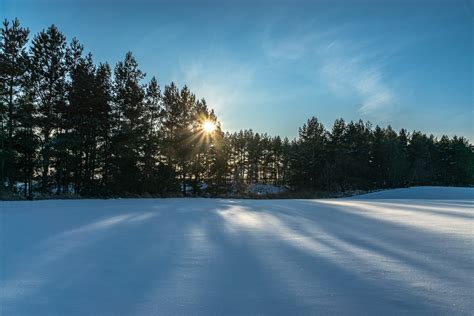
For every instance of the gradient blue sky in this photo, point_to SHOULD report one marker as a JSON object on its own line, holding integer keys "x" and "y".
{"x": 270, "y": 65}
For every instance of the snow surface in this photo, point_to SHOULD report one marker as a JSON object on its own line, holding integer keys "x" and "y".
{"x": 361, "y": 255}
{"x": 426, "y": 193}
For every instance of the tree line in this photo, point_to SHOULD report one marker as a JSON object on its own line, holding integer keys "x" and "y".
{"x": 68, "y": 124}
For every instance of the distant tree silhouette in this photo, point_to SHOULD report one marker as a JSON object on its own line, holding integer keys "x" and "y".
{"x": 69, "y": 125}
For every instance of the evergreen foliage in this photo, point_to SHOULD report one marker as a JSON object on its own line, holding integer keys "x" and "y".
{"x": 70, "y": 125}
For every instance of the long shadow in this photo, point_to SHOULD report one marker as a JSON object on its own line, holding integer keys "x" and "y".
{"x": 179, "y": 292}
{"x": 431, "y": 210}
{"x": 205, "y": 256}
{"x": 111, "y": 261}
{"x": 358, "y": 231}
{"x": 323, "y": 285}
{"x": 336, "y": 220}
{"x": 453, "y": 203}
{"x": 239, "y": 281}
{"x": 369, "y": 241}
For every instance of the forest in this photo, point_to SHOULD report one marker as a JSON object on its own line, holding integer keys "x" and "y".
{"x": 71, "y": 125}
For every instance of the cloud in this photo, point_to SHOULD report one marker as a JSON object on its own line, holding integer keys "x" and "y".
{"x": 348, "y": 68}
{"x": 288, "y": 48}
{"x": 352, "y": 75}
{"x": 298, "y": 44}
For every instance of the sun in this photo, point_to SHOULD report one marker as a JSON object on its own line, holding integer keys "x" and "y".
{"x": 208, "y": 126}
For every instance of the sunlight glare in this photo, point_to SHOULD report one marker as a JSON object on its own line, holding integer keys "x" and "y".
{"x": 208, "y": 127}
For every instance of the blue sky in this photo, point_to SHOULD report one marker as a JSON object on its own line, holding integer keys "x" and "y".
{"x": 270, "y": 65}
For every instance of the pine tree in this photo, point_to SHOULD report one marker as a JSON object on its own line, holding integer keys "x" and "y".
{"x": 463, "y": 164}
{"x": 179, "y": 109}
{"x": 357, "y": 144}
{"x": 130, "y": 126}
{"x": 153, "y": 120}
{"x": 420, "y": 151}
{"x": 337, "y": 156}
{"x": 309, "y": 155}
{"x": 378, "y": 164}
{"x": 13, "y": 68}
{"x": 83, "y": 124}
{"x": 48, "y": 76}
{"x": 219, "y": 156}
{"x": 403, "y": 139}
{"x": 104, "y": 118}
{"x": 26, "y": 141}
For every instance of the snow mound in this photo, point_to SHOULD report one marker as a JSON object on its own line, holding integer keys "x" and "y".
{"x": 264, "y": 189}
{"x": 425, "y": 193}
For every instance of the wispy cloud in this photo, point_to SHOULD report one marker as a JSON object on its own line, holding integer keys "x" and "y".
{"x": 349, "y": 68}
{"x": 297, "y": 43}
{"x": 355, "y": 75}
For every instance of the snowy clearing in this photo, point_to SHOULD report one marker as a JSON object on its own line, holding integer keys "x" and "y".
{"x": 391, "y": 252}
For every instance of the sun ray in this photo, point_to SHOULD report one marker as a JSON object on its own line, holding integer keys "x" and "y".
{"x": 208, "y": 127}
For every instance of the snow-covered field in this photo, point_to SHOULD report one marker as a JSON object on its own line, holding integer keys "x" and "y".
{"x": 408, "y": 251}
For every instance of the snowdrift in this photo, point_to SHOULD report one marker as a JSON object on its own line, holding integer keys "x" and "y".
{"x": 264, "y": 189}
{"x": 423, "y": 193}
